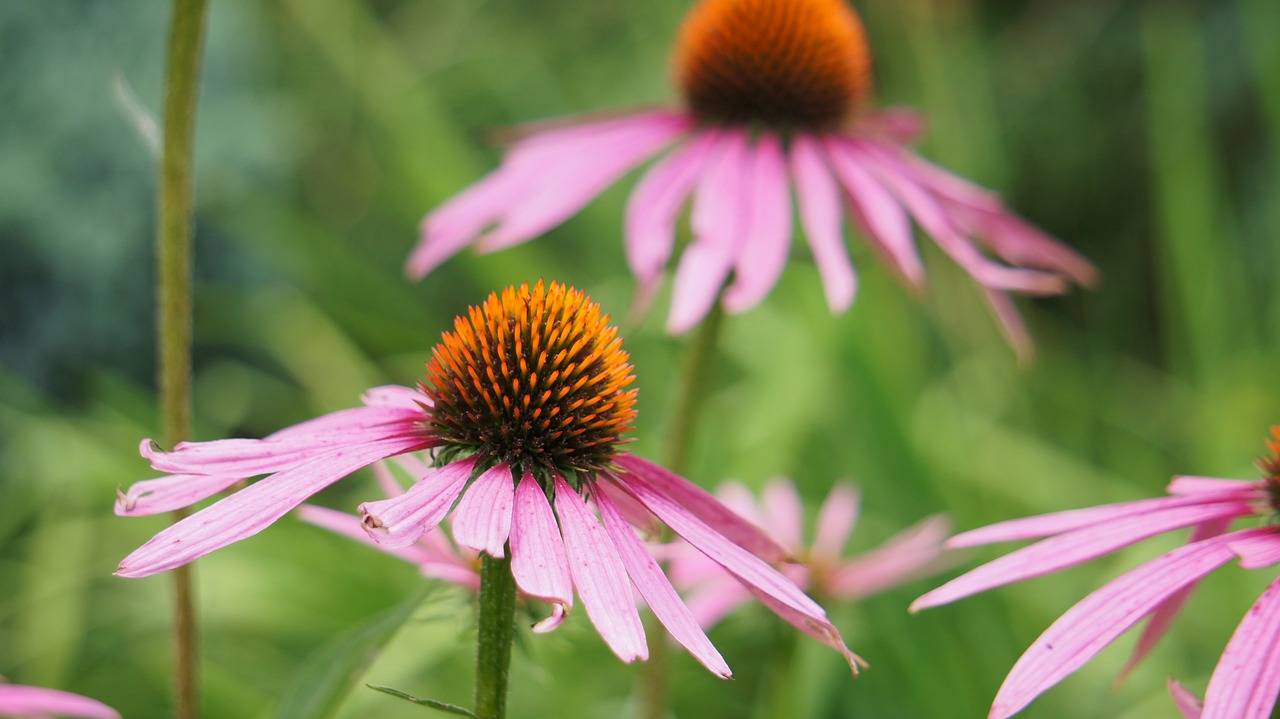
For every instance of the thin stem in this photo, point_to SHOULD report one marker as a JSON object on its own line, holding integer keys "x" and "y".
{"x": 497, "y": 630}
{"x": 173, "y": 290}
{"x": 692, "y": 390}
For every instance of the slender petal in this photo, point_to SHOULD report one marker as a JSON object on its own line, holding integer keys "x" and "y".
{"x": 911, "y": 553}
{"x": 599, "y": 576}
{"x": 349, "y": 526}
{"x": 538, "y": 561}
{"x": 1258, "y": 552}
{"x": 820, "y": 213}
{"x": 482, "y": 520}
{"x": 768, "y": 239}
{"x": 1188, "y": 704}
{"x": 165, "y": 494}
{"x": 400, "y": 521}
{"x": 784, "y": 512}
{"x": 836, "y": 520}
{"x": 656, "y": 590}
{"x": 453, "y": 225}
{"x": 1211, "y": 485}
{"x": 887, "y": 225}
{"x": 252, "y": 509}
{"x": 17, "y": 700}
{"x": 650, "y": 234}
{"x": 1102, "y": 616}
{"x": 1011, "y": 325}
{"x": 1246, "y": 681}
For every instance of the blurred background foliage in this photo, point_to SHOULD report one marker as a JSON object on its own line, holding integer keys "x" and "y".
{"x": 1143, "y": 132}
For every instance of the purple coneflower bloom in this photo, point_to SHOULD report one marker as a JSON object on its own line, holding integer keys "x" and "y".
{"x": 820, "y": 567}
{"x": 1245, "y": 682}
{"x": 23, "y": 702}
{"x": 775, "y": 102}
{"x": 523, "y": 408}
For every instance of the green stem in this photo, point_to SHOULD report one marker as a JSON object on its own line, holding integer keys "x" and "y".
{"x": 497, "y": 630}
{"x": 687, "y": 410}
{"x": 173, "y": 289}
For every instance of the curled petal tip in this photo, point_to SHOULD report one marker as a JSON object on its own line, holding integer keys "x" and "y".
{"x": 559, "y": 613}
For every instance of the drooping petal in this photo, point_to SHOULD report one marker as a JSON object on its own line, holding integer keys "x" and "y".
{"x": 455, "y": 224}
{"x": 482, "y": 520}
{"x": 886, "y": 222}
{"x": 652, "y": 209}
{"x": 1188, "y": 703}
{"x": 836, "y": 519}
{"x": 254, "y": 508}
{"x": 706, "y": 508}
{"x": 784, "y": 513}
{"x": 911, "y": 553}
{"x": 598, "y": 574}
{"x": 656, "y": 590}
{"x": 1258, "y": 552}
{"x": 1102, "y": 616}
{"x": 165, "y": 494}
{"x": 1246, "y": 681}
{"x": 400, "y": 521}
{"x": 768, "y": 239}
{"x": 1009, "y": 319}
{"x": 23, "y": 701}
{"x": 349, "y": 526}
{"x": 538, "y": 560}
{"x": 821, "y": 214}
{"x": 1072, "y": 548}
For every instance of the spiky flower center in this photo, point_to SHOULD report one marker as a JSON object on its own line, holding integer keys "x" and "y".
{"x": 1270, "y": 466}
{"x": 788, "y": 63}
{"x": 534, "y": 377}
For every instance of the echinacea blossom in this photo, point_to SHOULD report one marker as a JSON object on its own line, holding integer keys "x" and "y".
{"x": 1246, "y": 680}
{"x": 776, "y": 101}
{"x": 820, "y": 567}
{"x": 24, "y": 702}
{"x": 523, "y": 408}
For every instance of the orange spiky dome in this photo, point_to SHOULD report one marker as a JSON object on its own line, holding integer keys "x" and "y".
{"x": 801, "y": 63}
{"x": 535, "y": 378}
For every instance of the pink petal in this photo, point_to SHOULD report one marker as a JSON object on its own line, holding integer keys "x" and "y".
{"x": 710, "y": 604}
{"x": 165, "y": 494}
{"x": 718, "y": 224}
{"x": 599, "y": 576}
{"x": 1072, "y": 548}
{"x": 886, "y": 222}
{"x": 395, "y": 396}
{"x": 538, "y": 560}
{"x": 696, "y": 501}
{"x": 901, "y": 125}
{"x": 768, "y": 239}
{"x": 1212, "y": 485}
{"x": 656, "y": 590}
{"x": 1022, "y": 244}
{"x": 836, "y": 520}
{"x": 1258, "y": 552}
{"x": 23, "y": 701}
{"x": 387, "y": 482}
{"x": 452, "y": 226}
{"x": 1246, "y": 681}
{"x": 400, "y": 521}
{"x": 1102, "y": 616}
{"x": 655, "y": 204}
{"x": 821, "y": 214}
{"x": 482, "y": 520}
{"x": 771, "y": 587}
{"x": 1011, "y": 325}
{"x": 1188, "y": 703}
{"x": 349, "y": 526}
{"x": 784, "y": 512}
{"x": 909, "y": 554}
{"x": 254, "y": 508}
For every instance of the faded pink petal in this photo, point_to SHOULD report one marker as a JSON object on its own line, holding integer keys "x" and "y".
{"x": 887, "y": 225}
{"x": 598, "y": 574}
{"x": 821, "y": 214}
{"x": 1246, "y": 681}
{"x": 252, "y": 509}
{"x": 656, "y": 590}
{"x": 1009, "y": 319}
{"x": 912, "y": 553}
{"x": 165, "y": 494}
{"x": 452, "y": 226}
{"x": 650, "y": 232}
{"x": 400, "y": 521}
{"x": 784, "y": 514}
{"x": 836, "y": 519}
{"x": 538, "y": 559}
{"x": 17, "y": 700}
{"x": 482, "y": 520}
{"x": 768, "y": 238}
{"x": 349, "y": 526}
{"x": 900, "y": 124}
{"x": 1188, "y": 703}
{"x": 1102, "y": 616}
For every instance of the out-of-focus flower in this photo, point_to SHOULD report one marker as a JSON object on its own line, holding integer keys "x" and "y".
{"x": 524, "y": 407}
{"x": 23, "y": 702}
{"x": 1245, "y": 682}
{"x": 775, "y": 100}
{"x": 820, "y": 568}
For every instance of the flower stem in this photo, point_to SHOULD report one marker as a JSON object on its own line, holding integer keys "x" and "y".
{"x": 685, "y": 414}
{"x": 497, "y": 629}
{"x": 173, "y": 300}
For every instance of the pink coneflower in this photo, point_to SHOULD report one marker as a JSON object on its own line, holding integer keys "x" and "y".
{"x": 819, "y": 568}
{"x": 775, "y": 101}
{"x": 523, "y": 408}
{"x": 23, "y": 702}
{"x": 1247, "y": 678}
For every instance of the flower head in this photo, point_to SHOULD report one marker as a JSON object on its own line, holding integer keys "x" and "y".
{"x": 776, "y": 100}
{"x": 24, "y": 702}
{"x": 1247, "y": 678}
{"x": 820, "y": 567}
{"x": 524, "y": 406}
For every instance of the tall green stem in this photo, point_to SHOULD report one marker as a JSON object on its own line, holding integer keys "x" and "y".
{"x": 687, "y": 410}
{"x": 173, "y": 290}
{"x": 497, "y": 630}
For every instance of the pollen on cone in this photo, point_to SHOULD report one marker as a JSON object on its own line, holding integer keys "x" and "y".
{"x": 799, "y": 63}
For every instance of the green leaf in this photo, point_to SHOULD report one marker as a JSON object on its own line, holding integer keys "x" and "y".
{"x": 327, "y": 677}
{"x": 442, "y": 706}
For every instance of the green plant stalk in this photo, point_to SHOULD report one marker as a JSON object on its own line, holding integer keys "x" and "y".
{"x": 497, "y": 630}
{"x": 691, "y": 392}
{"x": 173, "y": 300}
